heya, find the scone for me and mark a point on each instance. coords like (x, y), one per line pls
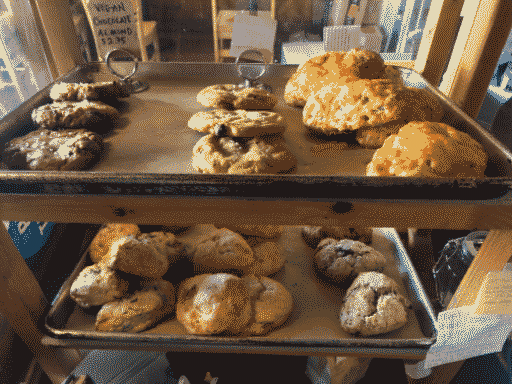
(106, 236)
(93, 115)
(139, 311)
(223, 250)
(214, 154)
(230, 96)
(271, 303)
(237, 123)
(373, 305)
(104, 91)
(267, 259)
(428, 149)
(313, 235)
(97, 284)
(44, 150)
(345, 259)
(147, 255)
(210, 304)
(264, 231)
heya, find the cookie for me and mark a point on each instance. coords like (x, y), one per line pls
(139, 311)
(237, 123)
(428, 149)
(148, 254)
(230, 96)
(223, 250)
(210, 304)
(104, 91)
(373, 305)
(343, 260)
(313, 235)
(214, 154)
(267, 259)
(93, 115)
(44, 150)
(271, 303)
(106, 236)
(97, 284)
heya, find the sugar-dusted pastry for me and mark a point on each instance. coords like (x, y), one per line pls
(373, 305)
(237, 123)
(428, 149)
(97, 284)
(148, 254)
(45, 150)
(138, 311)
(340, 260)
(105, 91)
(223, 250)
(214, 154)
(230, 96)
(106, 236)
(268, 259)
(210, 304)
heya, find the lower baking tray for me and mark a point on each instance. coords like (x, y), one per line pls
(312, 328)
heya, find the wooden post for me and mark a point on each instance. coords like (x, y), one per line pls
(23, 304)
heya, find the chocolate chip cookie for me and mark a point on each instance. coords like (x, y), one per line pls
(106, 91)
(231, 96)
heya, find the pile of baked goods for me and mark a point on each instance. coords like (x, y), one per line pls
(221, 278)
(69, 129)
(243, 134)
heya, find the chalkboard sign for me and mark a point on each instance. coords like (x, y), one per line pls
(114, 25)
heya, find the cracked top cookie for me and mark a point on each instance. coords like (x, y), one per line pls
(104, 91)
(428, 149)
(93, 115)
(345, 259)
(44, 150)
(231, 96)
(373, 305)
(238, 123)
(214, 154)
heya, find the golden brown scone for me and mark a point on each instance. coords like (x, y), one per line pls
(148, 254)
(100, 245)
(139, 311)
(373, 305)
(363, 64)
(210, 304)
(272, 304)
(223, 250)
(97, 284)
(267, 259)
(313, 235)
(428, 149)
(265, 231)
(345, 259)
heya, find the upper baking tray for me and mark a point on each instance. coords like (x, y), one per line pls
(311, 329)
(149, 149)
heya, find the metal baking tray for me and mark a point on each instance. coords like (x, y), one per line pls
(312, 328)
(150, 147)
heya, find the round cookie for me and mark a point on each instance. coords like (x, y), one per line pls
(223, 250)
(267, 259)
(210, 304)
(100, 245)
(230, 96)
(104, 91)
(238, 123)
(272, 304)
(429, 149)
(93, 115)
(345, 259)
(213, 154)
(138, 311)
(373, 305)
(44, 150)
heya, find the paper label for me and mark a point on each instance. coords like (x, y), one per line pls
(253, 32)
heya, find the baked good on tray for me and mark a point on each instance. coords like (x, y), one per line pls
(313, 235)
(231, 96)
(44, 150)
(138, 311)
(373, 305)
(237, 123)
(106, 236)
(93, 115)
(105, 91)
(260, 155)
(341, 260)
(268, 259)
(428, 149)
